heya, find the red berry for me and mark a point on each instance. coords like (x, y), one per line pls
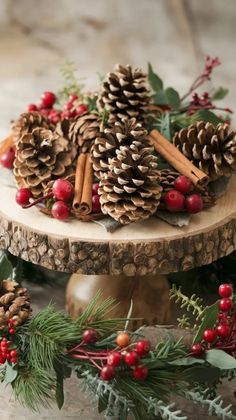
(23, 196)
(225, 304)
(13, 353)
(223, 330)
(54, 116)
(60, 210)
(13, 360)
(210, 335)
(12, 330)
(8, 356)
(95, 189)
(32, 108)
(2, 360)
(225, 290)
(140, 373)
(68, 115)
(193, 203)
(143, 347)
(81, 109)
(67, 106)
(48, 99)
(197, 349)
(90, 336)
(123, 339)
(62, 190)
(96, 206)
(8, 158)
(174, 201)
(11, 321)
(114, 358)
(107, 373)
(131, 358)
(182, 184)
(73, 97)
(44, 112)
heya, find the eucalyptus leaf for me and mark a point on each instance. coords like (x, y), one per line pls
(202, 374)
(173, 98)
(209, 320)
(220, 359)
(10, 374)
(208, 116)
(175, 219)
(154, 80)
(220, 93)
(160, 98)
(108, 223)
(187, 361)
(6, 269)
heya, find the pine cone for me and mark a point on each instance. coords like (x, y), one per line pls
(211, 149)
(168, 177)
(27, 122)
(14, 303)
(83, 131)
(121, 133)
(42, 156)
(130, 191)
(124, 94)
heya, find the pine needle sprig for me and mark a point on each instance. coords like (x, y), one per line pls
(192, 304)
(214, 406)
(70, 82)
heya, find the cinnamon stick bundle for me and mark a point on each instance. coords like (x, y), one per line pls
(82, 202)
(6, 144)
(176, 159)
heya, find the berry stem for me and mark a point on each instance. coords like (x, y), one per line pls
(39, 200)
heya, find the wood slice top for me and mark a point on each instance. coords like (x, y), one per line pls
(148, 247)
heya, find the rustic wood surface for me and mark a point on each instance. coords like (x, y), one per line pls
(149, 247)
(34, 41)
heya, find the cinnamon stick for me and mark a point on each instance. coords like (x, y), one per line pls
(6, 144)
(82, 202)
(176, 159)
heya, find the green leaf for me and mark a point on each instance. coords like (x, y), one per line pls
(208, 116)
(209, 320)
(6, 269)
(173, 97)
(220, 359)
(186, 361)
(160, 98)
(155, 82)
(10, 374)
(220, 93)
(59, 386)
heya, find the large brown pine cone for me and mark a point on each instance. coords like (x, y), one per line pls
(42, 156)
(83, 131)
(26, 124)
(14, 303)
(130, 191)
(212, 149)
(121, 133)
(124, 94)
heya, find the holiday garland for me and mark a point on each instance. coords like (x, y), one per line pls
(113, 152)
(124, 372)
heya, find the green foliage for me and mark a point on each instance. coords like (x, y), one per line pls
(209, 320)
(220, 93)
(192, 303)
(214, 406)
(208, 116)
(70, 82)
(163, 125)
(154, 80)
(220, 359)
(6, 268)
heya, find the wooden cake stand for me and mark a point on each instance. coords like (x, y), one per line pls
(130, 263)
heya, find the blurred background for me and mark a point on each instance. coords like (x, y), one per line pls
(36, 37)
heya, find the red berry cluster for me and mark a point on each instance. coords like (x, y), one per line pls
(223, 336)
(129, 354)
(201, 101)
(7, 353)
(177, 199)
(63, 193)
(72, 108)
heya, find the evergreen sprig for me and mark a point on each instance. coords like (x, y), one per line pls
(192, 303)
(214, 406)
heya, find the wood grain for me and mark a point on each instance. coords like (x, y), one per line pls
(140, 249)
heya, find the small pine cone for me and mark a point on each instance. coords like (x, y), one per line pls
(130, 191)
(83, 131)
(27, 122)
(14, 303)
(211, 149)
(42, 156)
(121, 133)
(167, 179)
(124, 94)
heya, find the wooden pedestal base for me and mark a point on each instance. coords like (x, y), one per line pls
(150, 295)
